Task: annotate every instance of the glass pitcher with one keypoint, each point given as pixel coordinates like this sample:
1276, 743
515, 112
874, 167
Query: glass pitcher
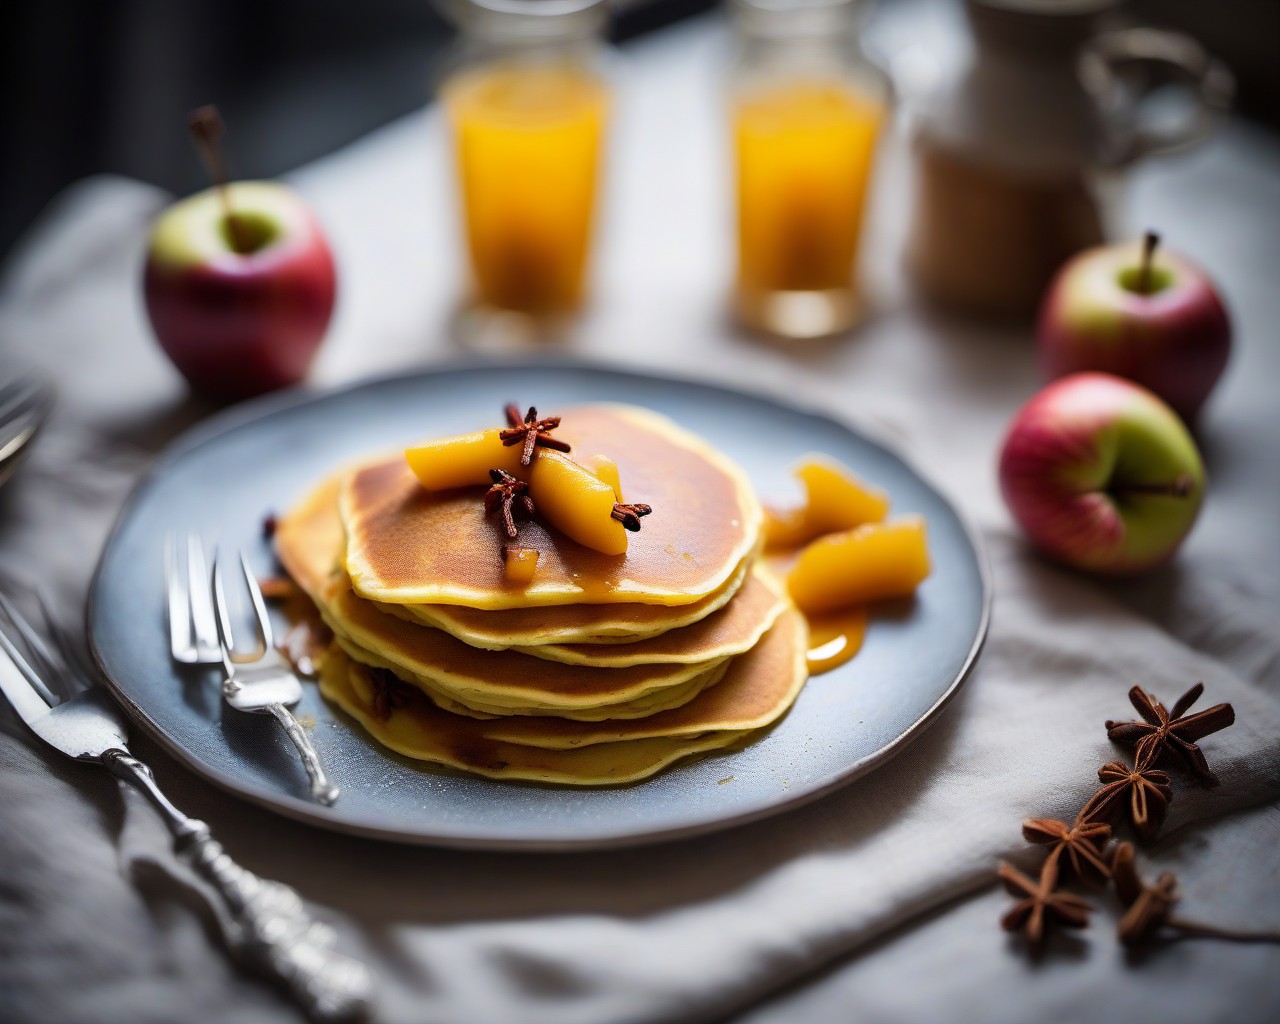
1017, 149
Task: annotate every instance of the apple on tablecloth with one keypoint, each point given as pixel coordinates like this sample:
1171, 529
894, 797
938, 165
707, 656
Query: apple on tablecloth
1102, 474
1153, 318
240, 308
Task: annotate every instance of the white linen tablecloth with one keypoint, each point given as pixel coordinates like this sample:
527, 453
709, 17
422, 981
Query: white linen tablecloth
877, 902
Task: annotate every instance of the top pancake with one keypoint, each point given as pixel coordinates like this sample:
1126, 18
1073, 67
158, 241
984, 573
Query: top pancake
407, 545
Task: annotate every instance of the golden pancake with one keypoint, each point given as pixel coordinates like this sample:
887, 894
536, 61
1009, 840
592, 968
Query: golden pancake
407, 545
733, 629
475, 705
485, 679
421, 730
755, 691
569, 623
309, 541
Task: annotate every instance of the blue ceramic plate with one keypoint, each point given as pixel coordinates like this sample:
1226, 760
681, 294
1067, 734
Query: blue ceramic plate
222, 478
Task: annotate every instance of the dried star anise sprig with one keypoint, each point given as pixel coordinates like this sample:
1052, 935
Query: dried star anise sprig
530, 432
1150, 907
389, 692
1041, 905
629, 515
1082, 844
1174, 732
510, 495
1143, 790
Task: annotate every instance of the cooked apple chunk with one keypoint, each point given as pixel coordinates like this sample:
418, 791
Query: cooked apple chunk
835, 499
868, 563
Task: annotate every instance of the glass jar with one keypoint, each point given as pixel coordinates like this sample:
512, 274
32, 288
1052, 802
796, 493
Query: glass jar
807, 109
527, 104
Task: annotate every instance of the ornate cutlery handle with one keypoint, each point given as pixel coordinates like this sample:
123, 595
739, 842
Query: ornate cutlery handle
265, 923
322, 790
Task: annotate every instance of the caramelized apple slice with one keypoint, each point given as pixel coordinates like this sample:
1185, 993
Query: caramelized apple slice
567, 496
462, 460
607, 470
868, 563
520, 564
576, 502
835, 499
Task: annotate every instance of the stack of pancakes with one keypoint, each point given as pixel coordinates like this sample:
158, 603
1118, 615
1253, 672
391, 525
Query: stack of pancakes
603, 669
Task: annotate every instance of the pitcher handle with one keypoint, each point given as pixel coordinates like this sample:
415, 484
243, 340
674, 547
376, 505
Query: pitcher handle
1211, 81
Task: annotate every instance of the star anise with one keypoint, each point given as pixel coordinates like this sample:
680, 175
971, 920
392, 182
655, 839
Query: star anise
1083, 844
389, 693
1040, 905
629, 515
530, 432
1145, 791
508, 493
1149, 906
1172, 732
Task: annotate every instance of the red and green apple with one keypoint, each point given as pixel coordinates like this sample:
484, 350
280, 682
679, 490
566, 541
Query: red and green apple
239, 286
1102, 474
1152, 317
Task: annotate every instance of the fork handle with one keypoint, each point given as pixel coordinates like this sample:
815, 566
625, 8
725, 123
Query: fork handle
322, 790
265, 923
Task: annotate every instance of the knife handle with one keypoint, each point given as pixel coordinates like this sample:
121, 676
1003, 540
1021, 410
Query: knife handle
264, 923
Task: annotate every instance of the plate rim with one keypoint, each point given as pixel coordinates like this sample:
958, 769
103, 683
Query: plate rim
236, 416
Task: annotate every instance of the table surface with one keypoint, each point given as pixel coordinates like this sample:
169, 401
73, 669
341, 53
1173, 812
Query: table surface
939, 390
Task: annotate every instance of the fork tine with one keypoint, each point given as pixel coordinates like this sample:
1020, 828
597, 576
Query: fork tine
226, 640
73, 656
259, 605
177, 591
48, 664
24, 630
203, 621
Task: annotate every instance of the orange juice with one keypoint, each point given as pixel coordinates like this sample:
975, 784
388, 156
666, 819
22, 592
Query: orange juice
528, 140
804, 155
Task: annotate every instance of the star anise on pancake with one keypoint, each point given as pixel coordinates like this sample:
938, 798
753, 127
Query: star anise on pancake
389, 692
1041, 905
1161, 732
508, 493
530, 432
629, 515
1141, 789
1082, 844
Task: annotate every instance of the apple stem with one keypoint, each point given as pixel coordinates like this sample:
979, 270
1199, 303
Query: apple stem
1149, 242
206, 128
1180, 487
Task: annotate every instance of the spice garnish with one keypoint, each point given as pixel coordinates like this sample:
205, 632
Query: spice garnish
509, 493
389, 692
1172, 732
1148, 792
1040, 904
629, 515
531, 432
1150, 907
1083, 843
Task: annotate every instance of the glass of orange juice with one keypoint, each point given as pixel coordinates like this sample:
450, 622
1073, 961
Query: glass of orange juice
807, 108
527, 109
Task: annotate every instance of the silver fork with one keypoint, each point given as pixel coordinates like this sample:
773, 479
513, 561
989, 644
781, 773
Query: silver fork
263, 681
264, 923
193, 631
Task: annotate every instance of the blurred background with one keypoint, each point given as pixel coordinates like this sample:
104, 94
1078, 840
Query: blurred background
96, 86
